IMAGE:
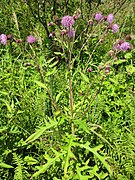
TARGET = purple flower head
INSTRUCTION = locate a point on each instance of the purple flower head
(98, 16)
(110, 18)
(120, 41)
(3, 39)
(116, 47)
(67, 21)
(122, 45)
(71, 33)
(115, 28)
(31, 39)
(125, 46)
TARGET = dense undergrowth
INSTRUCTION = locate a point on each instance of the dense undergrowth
(67, 94)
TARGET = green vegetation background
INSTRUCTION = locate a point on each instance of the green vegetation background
(39, 136)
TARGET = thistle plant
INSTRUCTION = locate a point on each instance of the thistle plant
(70, 139)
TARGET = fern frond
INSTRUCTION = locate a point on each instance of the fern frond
(19, 167)
(20, 173)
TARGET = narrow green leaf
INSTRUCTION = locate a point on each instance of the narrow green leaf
(85, 77)
(58, 96)
(4, 165)
(52, 65)
(7, 104)
(51, 72)
(50, 60)
(3, 129)
(40, 84)
(58, 53)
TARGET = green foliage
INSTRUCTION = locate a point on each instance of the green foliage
(58, 120)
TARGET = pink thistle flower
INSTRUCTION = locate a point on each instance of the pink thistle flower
(116, 47)
(98, 16)
(120, 41)
(31, 39)
(3, 39)
(125, 46)
(67, 21)
(115, 28)
(122, 45)
(71, 33)
(110, 18)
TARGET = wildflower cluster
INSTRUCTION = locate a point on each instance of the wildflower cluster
(4, 39)
(122, 45)
(68, 22)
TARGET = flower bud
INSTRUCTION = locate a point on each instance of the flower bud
(51, 24)
(90, 22)
(128, 37)
(107, 69)
(89, 69)
(9, 36)
(111, 53)
(18, 41)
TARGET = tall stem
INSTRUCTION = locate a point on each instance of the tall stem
(70, 78)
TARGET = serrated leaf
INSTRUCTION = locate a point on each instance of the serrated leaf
(40, 131)
(94, 151)
(30, 160)
(128, 55)
(50, 161)
(68, 156)
(120, 61)
(130, 69)
(79, 174)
